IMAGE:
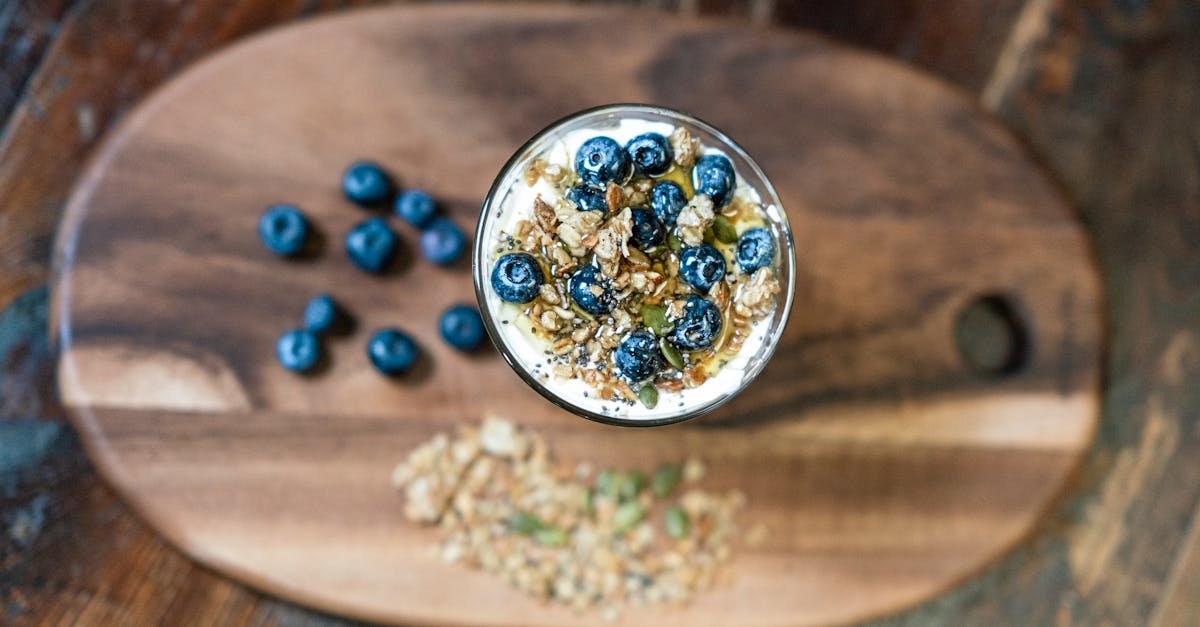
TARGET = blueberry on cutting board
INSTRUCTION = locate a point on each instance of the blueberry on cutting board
(325, 316)
(462, 327)
(443, 242)
(416, 207)
(392, 351)
(372, 245)
(284, 230)
(298, 350)
(366, 183)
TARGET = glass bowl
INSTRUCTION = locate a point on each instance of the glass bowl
(622, 122)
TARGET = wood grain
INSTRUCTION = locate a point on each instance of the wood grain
(894, 471)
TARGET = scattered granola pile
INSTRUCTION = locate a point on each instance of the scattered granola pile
(641, 268)
(557, 531)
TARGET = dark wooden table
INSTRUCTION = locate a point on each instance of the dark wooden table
(1107, 95)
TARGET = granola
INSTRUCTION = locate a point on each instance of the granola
(567, 535)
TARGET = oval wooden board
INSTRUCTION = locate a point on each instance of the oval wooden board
(884, 470)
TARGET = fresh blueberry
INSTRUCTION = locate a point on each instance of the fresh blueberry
(443, 242)
(392, 351)
(366, 183)
(667, 200)
(416, 207)
(372, 245)
(584, 285)
(462, 327)
(755, 249)
(637, 357)
(699, 326)
(701, 266)
(713, 176)
(283, 229)
(651, 154)
(517, 278)
(601, 160)
(648, 230)
(298, 350)
(587, 198)
(323, 315)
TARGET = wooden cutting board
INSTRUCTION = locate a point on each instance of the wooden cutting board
(935, 387)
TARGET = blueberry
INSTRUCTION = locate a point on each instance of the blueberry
(667, 200)
(755, 249)
(648, 230)
(416, 207)
(283, 229)
(587, 198)
(298, 350)
(323, 315)
(701, 266)
(366, 183)
(462, 327)
(372, 245)
(651, 154)
(517, 278)
(392, 351)
(637, 357)
(713, 176)
(583, 285)
(699, 326)
(601, 160)
(443, 242)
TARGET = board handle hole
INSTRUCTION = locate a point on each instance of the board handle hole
(992, 336)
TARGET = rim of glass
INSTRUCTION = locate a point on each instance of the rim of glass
(787, 258)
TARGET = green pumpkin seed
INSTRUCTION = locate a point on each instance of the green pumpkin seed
(709, 237)
(606, 483)
(524, 523)
(665, 479)
(627, 516)
(671, 353)
(649, 395)
(723, 230)
(552, 537)
(676, 521)
(632, 485)
(589, 502)
(673, 243)
(655, 318)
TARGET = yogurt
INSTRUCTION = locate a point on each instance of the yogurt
(547, 340)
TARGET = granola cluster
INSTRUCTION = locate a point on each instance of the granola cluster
(638, 288)
(563, 533)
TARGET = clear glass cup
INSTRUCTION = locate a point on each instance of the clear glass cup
(617, 120)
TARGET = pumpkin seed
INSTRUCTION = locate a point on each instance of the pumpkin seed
(665, 479)
(655, 318)
(627, 516)
(524, 523)
(671, 353)
(723, 230)
(676, 521)
(649, 395)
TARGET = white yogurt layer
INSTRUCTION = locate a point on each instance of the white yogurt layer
(515, 200)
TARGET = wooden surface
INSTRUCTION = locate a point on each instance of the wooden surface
(883, 467)
(1102, 92)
